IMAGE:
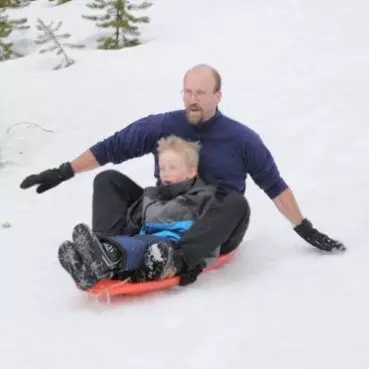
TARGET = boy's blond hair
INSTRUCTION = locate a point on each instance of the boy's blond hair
(188, 149)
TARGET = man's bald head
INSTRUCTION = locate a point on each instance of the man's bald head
(201, 92)
(208, 69)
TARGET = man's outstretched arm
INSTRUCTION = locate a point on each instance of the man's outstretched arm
(84, 162)
(265, 173)
(53, 177)
(135, 140)
(287, 205)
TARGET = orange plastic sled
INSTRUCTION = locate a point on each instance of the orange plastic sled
(114, 287)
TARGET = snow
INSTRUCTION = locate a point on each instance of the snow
(296, 72)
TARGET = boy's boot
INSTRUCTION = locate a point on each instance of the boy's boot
(161, 261)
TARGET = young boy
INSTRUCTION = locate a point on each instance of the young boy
(165, 212)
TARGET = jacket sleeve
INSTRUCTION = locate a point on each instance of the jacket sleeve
(262, 167)
(135, 140)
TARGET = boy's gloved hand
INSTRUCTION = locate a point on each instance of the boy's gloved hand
(320, 240)
(49, 178)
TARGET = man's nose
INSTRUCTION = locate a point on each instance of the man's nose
(193, 98)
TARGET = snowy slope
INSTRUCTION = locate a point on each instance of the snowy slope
(295, 71)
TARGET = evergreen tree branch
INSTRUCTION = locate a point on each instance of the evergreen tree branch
(53, 38)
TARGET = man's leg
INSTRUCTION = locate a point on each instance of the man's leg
(113, 194)
(238, 233)
(224, 224)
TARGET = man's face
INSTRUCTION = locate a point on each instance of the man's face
(173, 168)
(199, 96)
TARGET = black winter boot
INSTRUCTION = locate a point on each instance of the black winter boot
(161, 261)
(101, 257)
(71, 261)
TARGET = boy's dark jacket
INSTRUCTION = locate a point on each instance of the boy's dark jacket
(170, 210)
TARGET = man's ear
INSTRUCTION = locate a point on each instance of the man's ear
(193, 172)
(218, 97)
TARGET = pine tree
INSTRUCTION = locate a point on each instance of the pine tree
(5, 30)
(8, 25)
(11, 3)
(49, 35)
(118, 16)
(60, 2)
(14, 3)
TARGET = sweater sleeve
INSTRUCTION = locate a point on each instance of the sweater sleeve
(262, 167)
(135, 140)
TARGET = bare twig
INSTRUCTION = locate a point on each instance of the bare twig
(7, 131)
(20, 123)
(29, 124)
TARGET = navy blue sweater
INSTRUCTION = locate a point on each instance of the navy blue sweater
(230, 150)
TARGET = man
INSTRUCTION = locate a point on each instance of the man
(230, 151)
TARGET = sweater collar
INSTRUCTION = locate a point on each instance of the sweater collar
(208, 124)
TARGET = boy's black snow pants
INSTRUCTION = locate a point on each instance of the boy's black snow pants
(224, 224)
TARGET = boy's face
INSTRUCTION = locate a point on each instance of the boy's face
(174, 169)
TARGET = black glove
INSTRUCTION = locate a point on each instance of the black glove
(190, 276)
(316, 238)
(49, 178)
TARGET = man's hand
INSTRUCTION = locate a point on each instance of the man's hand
(49, 178)
(320, 240)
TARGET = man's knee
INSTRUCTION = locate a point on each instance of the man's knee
(107, 176)
(241, 212)
(238, 203)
